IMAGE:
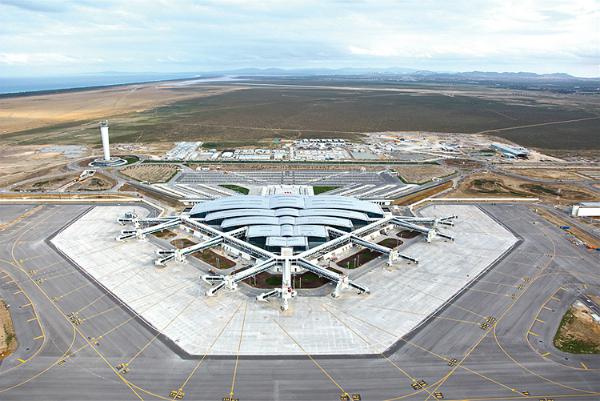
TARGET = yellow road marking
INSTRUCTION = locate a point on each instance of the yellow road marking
(32, 319)
(545, 307)
(538, 320)
(311, 358)
(545, 354)
(142, 349)
(21, 360)
(18, 292)
(38, 337)
(554, 298)
(583, 365)
(19, 265)
(237, 354)
(533, 334)
(185, 382)
(26, 305)
(489, 292)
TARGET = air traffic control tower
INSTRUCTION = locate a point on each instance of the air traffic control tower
(106, 161)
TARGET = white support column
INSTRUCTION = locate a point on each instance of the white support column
(287, 292)
(105, 141)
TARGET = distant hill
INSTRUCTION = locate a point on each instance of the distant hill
(402, 72)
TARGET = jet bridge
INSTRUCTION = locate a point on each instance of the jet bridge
(430, 233)
(266, 259)
(132, 217)
(231, 281)
(141, 233)
(286, 292)
(392, 254)
(435, 222)
(180, 254)
(342, 282)
(229, 238)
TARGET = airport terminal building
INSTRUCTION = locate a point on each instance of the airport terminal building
(292, 221)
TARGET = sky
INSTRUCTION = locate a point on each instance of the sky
(48, 37)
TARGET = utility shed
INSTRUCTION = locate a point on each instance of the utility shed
(586, 209)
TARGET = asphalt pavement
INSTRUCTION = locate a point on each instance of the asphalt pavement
(492, 342)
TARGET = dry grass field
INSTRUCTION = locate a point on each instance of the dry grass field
(418, 174)
(495, 185)
(47, 183)
(150, 173)
(547, 174)
(29, 112)
(245, 114)
(578, 332)
(25, 162)
(97, 182)
(8, 340)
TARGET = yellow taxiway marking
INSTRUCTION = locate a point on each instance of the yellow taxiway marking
(583, 365)
(533, 334)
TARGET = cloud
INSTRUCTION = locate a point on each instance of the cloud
(35, 58)
(37, 6)
(187, 35)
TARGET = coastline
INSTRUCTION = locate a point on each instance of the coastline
(25, 93)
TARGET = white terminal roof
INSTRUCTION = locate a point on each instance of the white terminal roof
(287, 220)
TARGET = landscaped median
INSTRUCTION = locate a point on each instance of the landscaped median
(236, 188)
(8, 340)
(578, 332)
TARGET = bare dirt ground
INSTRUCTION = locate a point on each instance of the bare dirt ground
(8, 340)
(28, 112)
(165, 234)
(68, 183)
(547, 174)
(419, 174)
(22, 162)
(151, 173)
(496, 185)
(463, 163)
(97, 182)
(48, 183)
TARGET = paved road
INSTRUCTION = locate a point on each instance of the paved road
(526, 292)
